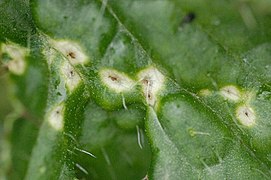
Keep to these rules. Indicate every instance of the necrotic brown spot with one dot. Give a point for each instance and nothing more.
(72, 55)
(145, 81)
(71, 73)
(113, 78)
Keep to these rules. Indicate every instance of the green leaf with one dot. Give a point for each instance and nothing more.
(23, 139)
(194, 75)
(16, 21)
(113, 140)
(199, 63)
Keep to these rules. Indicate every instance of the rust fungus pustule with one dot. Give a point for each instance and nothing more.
(55, 117)
(71, 77)
(152, 81)
(72, 51)
(115, 80)
(231, 93)
(246, 115)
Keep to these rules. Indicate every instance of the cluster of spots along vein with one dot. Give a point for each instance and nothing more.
(244, 112)
(63, 57)
(73, 55)
(150, 79)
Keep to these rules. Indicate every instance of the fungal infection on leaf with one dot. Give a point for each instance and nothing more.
(117, 81)
(72, 79)
(204, 92)
(245, 115)
(152, 81)
(72, 51)
(16, 58)
(55, 117)
(230, 93)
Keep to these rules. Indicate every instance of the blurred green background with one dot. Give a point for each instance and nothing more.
(5, 110)
(5, 107)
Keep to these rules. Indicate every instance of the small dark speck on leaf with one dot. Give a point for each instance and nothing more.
(113, 78)
(246, 113)
(188, 18)
(72, 55)
(71, 73)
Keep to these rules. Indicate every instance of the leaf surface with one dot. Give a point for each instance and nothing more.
(194, 75)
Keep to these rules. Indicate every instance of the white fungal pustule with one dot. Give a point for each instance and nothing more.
(55, 117)
(72, 51)
(16, 64)
(117, 81)
(245, 115)
(152, 81)
(230, 93)
(72, 79)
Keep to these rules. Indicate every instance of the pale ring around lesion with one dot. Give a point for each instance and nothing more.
(116, 81)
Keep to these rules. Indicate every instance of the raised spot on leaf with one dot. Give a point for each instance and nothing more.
(72, 51)
(72, 79)
(204, 92)
(15, 62)
(230, 93)
(116, 81)
(55, 117)
(245, 115)
(152, 80)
